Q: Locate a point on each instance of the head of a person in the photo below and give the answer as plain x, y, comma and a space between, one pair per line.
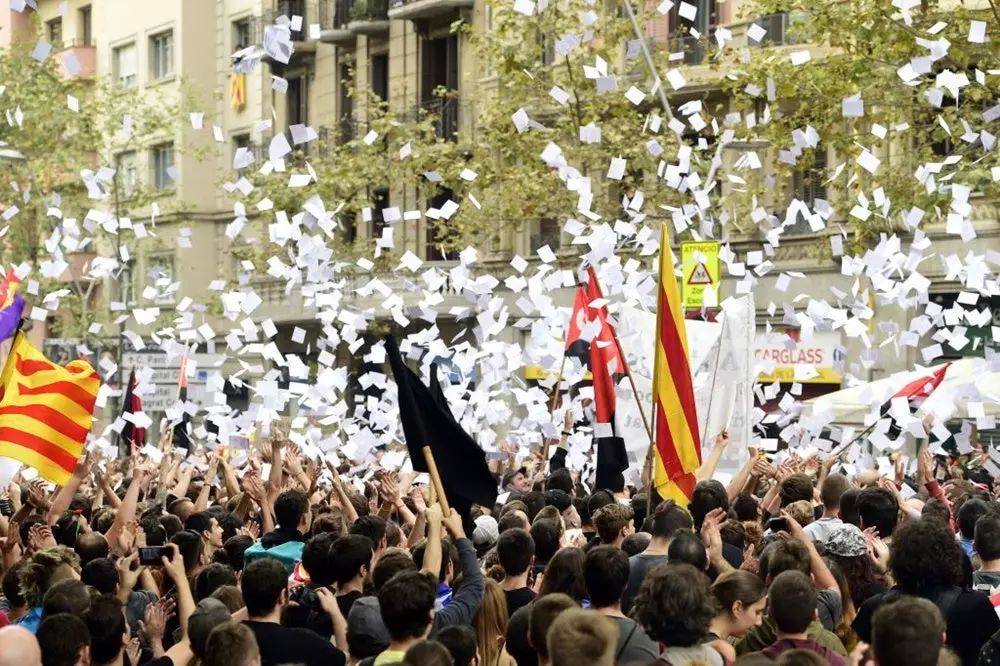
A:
675, 604
565, 573
66, 596
208, 614
782, 556
516, 550
614, 523
545, 534
688, 548
707, 496
108, 631
792, 602
636, 543
582, 637
11, 585
101, 574
741, 598
352, 558
192, 549
427, 653
90, 546
560, 479
64, 639
449, 559
265, 586
44, 569
849, 507
987, 537
180, 509
391, 563
171, 525
230, 596
517, 480
802, 512
544, 612
795, 488
407, 605
924, 554
373, 527
490, 622
206, 525
235, 547
485, 534
460, 642
598, 499
878, 508
19, 647
847, 548
832, 489
606, 572
291, 511
970, 512
936, 509
212, 578
231, 644
513, 520
907, 631
746, 507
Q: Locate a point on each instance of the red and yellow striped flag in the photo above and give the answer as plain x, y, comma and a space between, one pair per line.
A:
45, 410
678, 444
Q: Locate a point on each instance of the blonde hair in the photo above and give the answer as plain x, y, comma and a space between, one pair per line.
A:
582, 637
802, 512
490, 623
38, 575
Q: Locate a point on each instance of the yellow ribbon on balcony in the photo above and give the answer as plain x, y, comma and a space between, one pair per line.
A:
238, 91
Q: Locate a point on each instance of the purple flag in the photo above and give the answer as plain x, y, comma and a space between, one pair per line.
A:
10, 316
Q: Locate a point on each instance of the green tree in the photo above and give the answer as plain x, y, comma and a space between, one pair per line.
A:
69, 188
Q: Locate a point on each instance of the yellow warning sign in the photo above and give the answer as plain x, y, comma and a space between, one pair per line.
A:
700, 262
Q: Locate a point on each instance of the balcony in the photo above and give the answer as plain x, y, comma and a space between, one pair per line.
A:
776, 27
694, 51
86, 57
369, 17
421, 9
309, 12
334, 16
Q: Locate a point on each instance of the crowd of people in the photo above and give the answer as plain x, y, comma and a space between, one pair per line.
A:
191, 560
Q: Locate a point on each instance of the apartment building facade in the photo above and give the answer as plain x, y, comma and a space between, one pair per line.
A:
402, 51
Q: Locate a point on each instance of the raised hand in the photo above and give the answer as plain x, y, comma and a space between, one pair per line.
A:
40, 538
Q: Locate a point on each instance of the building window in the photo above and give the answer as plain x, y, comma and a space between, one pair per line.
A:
241, 34
54, 30
161, 54
345, 104
243, 141
380, 76
682, 41
127, 174
84, 27
159, 275
380, 203
124, 65
126, 282
297, 98
544, 232
163, 162
435, 227
808, 186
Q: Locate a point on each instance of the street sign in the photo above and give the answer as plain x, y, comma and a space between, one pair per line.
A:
700, 266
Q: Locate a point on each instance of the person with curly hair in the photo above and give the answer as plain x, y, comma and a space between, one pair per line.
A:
675, 606
43, 570
926, 562
846, 546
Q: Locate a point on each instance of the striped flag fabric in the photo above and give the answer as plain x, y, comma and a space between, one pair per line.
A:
45, 410
678, 443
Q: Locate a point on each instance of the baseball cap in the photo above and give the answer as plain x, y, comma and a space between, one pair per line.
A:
846, 541
486, 532
207, 615
509, 476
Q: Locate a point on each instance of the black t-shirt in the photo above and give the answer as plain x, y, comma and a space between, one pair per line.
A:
345, 602
160, 661
290, 645
970, 619
518, 598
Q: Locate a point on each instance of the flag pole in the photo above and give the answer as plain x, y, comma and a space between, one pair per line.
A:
436, 481
180, 381
552, 409
10, 353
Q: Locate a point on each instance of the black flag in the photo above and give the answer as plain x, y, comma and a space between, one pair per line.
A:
131, 436
182, 438
427, 421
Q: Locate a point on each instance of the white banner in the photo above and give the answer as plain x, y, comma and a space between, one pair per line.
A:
721, 367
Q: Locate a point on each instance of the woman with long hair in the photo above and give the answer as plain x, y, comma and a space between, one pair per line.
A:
490, 624
741, 597
565, 573
846, 546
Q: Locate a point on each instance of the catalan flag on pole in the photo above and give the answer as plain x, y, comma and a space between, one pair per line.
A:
45, 410
11, 305
678, 444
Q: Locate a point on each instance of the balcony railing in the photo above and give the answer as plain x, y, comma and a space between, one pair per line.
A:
776, 27
694, 51
370, 10
417, 9
334, 14
85, 54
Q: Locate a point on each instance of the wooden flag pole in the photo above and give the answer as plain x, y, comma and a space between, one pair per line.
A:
180, 380
436, 481
552, 409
